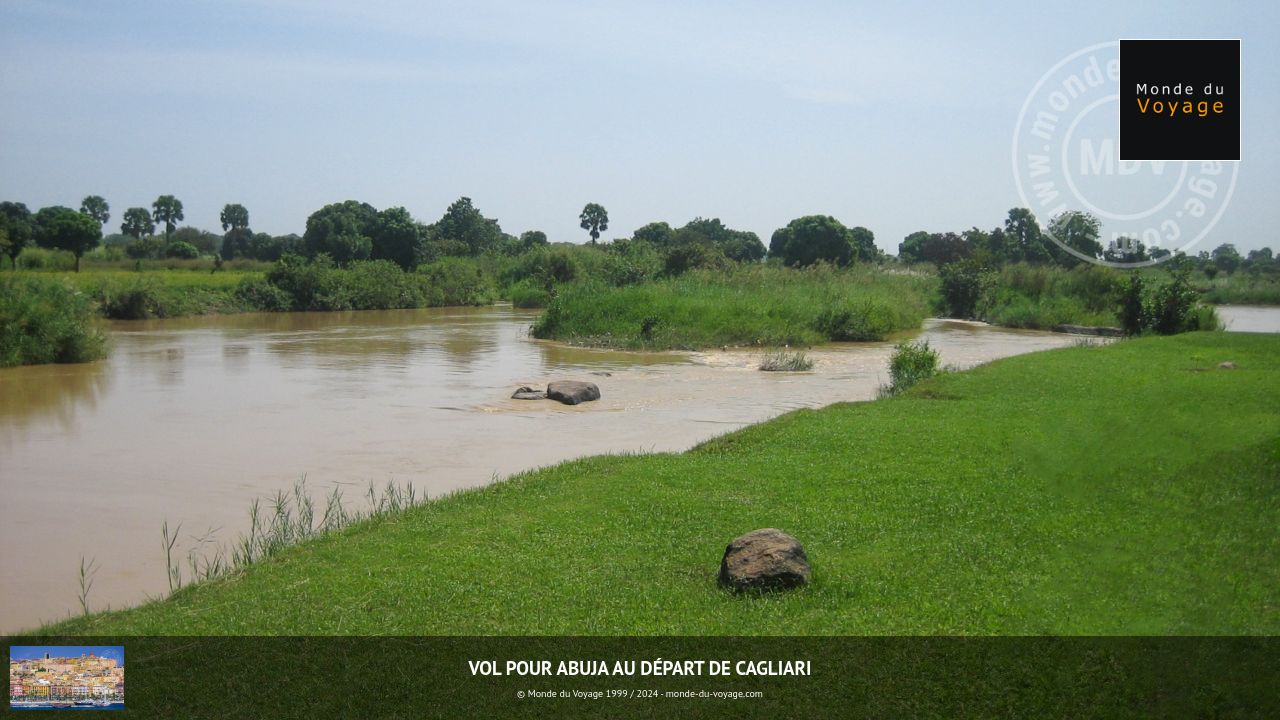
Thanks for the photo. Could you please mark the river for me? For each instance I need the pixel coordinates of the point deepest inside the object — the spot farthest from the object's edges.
(190, 419)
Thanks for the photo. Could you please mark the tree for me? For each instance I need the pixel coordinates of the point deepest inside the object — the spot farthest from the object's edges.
(341, 231)
(167, 209)
(65, 229)
(97, 208)
(657, 234)
(864, 244)
(235, 223)
(16, 231)
(137, 223)
(1023, 239)
(809, 239)
(738, 245)
(530, 239)
(464, 223)
(1227, 258)
(1078, 231)
(594, 219)
(396, 237)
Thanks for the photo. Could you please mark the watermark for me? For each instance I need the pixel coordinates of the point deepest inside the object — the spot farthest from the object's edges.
(1066, 159)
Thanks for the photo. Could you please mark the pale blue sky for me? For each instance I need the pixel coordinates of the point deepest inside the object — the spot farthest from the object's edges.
(895, 116)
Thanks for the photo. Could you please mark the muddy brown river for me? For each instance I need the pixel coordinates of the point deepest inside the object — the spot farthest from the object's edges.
(190, 419)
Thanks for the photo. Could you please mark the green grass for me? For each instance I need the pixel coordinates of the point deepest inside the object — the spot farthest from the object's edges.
(1125, 489)
(45, 320)
(1242, 289)
(750, 305)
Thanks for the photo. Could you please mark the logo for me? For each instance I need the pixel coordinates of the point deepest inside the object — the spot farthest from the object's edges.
(1066, 158)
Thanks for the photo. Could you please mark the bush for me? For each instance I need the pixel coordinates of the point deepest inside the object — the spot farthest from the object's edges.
(963, 284)
(46, 321)
(38, 258)
(179, 249)
(456, 281)
(529, 294)
(911, 363)
(867, 320)
(135, 298)
(1174, 306)
(256, 293)
(381, 284)
(1133, 315)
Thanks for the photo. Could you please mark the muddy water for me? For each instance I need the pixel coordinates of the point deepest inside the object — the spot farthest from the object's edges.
(1250, 318)
(188, 420)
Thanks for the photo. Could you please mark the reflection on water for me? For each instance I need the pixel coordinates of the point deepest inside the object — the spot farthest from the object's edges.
(191, 418)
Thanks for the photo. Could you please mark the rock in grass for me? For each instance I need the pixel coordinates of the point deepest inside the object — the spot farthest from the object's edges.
(528, 393)
(766, 559)
(572, 392)
(1228, 365)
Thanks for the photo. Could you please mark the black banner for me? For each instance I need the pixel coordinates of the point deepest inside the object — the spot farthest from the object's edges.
(442, 677)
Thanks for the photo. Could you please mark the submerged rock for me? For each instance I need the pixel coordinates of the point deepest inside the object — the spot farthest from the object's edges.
(766, 559)
(572, 392)
(528, 393)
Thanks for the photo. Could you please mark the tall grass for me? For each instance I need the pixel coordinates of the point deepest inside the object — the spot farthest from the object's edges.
(44, 320)
(1043, 296)
(283, 520)
(749, 305)
(786, 361)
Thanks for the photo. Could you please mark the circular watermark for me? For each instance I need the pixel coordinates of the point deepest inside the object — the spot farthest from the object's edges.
(1066, 158)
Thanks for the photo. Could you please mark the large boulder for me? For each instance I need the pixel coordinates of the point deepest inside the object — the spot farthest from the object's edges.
(766, 559)
(572, 392)
(528, 393)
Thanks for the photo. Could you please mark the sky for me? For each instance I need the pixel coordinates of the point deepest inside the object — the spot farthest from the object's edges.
(895, 116)
(28, 652)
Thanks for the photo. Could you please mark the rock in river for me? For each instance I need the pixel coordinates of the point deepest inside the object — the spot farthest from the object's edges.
(528, 393)
(572, 392)
(766, 559)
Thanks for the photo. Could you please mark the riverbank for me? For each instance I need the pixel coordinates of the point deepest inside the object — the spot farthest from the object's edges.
(1134, 498)
(747, 306)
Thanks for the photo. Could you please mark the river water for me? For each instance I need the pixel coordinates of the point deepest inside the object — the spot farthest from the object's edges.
(188, 420)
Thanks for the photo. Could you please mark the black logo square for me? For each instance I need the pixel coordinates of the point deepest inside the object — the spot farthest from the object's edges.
(1179, 100)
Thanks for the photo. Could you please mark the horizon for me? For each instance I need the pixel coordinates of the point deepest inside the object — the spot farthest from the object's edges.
(896, 119)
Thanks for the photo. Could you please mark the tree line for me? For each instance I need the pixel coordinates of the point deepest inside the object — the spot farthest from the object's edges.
(352, 230)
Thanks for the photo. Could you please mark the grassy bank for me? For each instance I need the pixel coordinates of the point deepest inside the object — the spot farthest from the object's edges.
(1241, 289)
(43, 321)
(1127, 489)
(756, 305)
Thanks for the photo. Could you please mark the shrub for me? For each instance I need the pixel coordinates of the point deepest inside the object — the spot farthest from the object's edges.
(46, 321)
(255, 293)
(381, 284)
(456, 281)
(1172, 308)
(867, 320)
(529, 294)
(38, 258)
(135, 298)
(963, 284)
(1133, 316)
(911, 363)
(179, 249)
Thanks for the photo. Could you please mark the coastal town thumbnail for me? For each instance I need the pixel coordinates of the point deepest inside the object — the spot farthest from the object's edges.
(66, 677)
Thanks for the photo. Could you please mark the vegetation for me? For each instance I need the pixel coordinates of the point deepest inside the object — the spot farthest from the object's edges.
(44, 320)
(1136, 498)
(759, 306)
(66, 229)
(595, 220)
(786, 361)
(911, 362)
